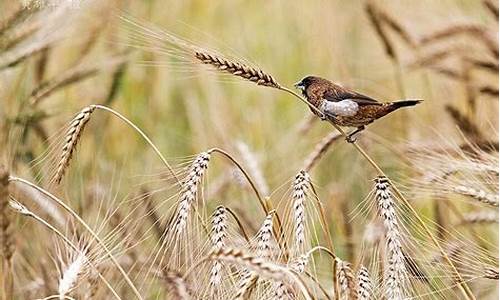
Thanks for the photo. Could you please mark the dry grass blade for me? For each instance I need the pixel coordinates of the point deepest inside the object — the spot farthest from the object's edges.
(471, 30)
(464, 123)
(11, 39)
(19, 15)
(373, 15)
(397, 28)
(489, 90)
(71, 140)
(492, 8)
(238, 69)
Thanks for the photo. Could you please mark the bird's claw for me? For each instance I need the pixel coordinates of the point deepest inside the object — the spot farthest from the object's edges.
(350, 139)
(322, 117)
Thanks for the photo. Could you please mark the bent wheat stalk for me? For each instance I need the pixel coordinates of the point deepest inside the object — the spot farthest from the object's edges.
(74, 133)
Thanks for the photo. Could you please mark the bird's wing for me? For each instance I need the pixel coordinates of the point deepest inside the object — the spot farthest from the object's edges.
(339, 93)
(344, 108)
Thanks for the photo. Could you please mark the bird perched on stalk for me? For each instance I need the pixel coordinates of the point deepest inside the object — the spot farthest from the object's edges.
(345, 107)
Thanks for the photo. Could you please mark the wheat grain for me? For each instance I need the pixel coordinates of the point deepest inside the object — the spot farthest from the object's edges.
(71, 140)
(364, 289)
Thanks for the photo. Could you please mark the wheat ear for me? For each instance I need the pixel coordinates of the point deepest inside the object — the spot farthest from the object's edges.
(71, 140)
(177, 285)
(396, 270)
(477, 194)
(238, 69)
(346, 280)
(70, 277)
(218, 236)
(190, 190)
(299, 187)
(365, 288)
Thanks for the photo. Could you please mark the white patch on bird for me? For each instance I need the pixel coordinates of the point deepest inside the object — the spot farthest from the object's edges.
(344, 108)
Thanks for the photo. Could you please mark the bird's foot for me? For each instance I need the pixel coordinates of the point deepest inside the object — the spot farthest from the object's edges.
(351, 138)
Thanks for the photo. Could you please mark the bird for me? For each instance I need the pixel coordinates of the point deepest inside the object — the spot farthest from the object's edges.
(345, 107)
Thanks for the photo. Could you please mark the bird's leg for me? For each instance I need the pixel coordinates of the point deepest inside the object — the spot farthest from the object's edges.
(350, 138)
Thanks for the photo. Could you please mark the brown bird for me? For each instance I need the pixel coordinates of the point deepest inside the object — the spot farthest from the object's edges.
(345, 107)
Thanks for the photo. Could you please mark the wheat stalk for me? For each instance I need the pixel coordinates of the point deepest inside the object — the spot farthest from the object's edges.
(6, 238)
(253, 167)
(364, 289)
(71, 140)
(396, 269)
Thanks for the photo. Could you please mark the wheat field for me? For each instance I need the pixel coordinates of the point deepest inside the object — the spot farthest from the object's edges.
(159, 150)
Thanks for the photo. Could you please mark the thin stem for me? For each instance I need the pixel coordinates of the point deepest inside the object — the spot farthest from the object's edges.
(463, 286)
(235, 217)
(326, 231)
(82, 222)
(75, 248)
(142, 134)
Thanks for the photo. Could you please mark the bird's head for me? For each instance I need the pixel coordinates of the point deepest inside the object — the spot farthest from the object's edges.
(305, 82)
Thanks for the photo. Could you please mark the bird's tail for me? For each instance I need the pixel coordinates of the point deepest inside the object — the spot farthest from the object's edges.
(403, 103)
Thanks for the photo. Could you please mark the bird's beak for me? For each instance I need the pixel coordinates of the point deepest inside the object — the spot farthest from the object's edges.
(299, 85)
